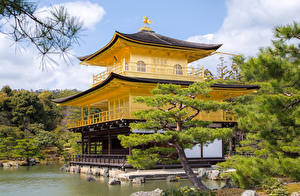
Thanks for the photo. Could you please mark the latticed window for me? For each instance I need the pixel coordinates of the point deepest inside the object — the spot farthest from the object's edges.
(178, 69)
(141, 66)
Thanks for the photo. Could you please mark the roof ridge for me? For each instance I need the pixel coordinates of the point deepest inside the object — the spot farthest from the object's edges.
(156, 35)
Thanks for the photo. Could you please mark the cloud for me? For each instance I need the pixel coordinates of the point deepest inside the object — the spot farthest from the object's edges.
(88, 13)
(20, 67)
(248, 26)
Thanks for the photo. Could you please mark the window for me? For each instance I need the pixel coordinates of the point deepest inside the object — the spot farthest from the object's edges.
(178, 69)
(141, 66)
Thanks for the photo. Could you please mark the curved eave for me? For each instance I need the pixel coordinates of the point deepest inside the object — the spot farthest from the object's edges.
(145, 80)
(118, 35)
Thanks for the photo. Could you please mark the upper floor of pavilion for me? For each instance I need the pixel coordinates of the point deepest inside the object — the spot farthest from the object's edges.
(147, 54)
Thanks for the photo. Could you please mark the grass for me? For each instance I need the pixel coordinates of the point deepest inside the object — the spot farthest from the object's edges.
(293, 187)
(230, 192)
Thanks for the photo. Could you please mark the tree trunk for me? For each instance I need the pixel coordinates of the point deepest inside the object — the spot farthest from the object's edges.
(188, 170)
(230, 146)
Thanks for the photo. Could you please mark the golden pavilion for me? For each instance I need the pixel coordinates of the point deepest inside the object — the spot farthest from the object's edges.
(134, 64)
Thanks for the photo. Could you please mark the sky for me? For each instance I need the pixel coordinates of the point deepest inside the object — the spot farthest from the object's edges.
(242, 26)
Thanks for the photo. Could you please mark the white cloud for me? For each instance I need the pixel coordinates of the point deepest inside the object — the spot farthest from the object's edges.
(249, 26)
(88, 13)
(20, 67)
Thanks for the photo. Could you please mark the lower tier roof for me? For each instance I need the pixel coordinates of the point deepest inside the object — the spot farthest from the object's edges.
(145, 80)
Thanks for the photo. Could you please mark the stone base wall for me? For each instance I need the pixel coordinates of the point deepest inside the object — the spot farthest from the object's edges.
(95, 171)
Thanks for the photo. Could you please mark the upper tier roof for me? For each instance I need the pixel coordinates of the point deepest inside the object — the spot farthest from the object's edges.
(153, 39)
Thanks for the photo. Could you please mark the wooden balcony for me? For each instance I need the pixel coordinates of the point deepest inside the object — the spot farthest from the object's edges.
(152, 71)
(120, 161)
(99, 160)
(124, 113)
(105, 116)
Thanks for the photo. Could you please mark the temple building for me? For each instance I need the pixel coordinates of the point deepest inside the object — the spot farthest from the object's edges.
(134, 65)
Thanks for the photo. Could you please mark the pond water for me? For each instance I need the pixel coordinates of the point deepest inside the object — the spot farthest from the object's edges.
(48, 180)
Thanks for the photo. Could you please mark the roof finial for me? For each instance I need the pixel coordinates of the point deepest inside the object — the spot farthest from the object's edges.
(147, 21)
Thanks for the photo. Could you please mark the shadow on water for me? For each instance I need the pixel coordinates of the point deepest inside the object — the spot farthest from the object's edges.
(48, 180)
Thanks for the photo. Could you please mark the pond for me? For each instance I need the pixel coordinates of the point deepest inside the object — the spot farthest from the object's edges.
(48, 180)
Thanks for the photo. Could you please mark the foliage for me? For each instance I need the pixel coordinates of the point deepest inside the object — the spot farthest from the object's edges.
(71, 142)
(222, 70)
(253, 171)
(54, 32)
(25, 148)
(275, 188)
(188, 191)
(29, 121)
(23, 108)
(172, 116)
(270, 118)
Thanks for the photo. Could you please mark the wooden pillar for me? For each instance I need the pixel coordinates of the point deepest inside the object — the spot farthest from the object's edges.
(89, 145)
(82, 113)
(89, 113)
(95, 150)
(109, 143)
(82, 144)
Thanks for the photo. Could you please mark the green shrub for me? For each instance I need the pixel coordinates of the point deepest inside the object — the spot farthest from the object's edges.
(187, 191)
(253, 171)
(274, 187)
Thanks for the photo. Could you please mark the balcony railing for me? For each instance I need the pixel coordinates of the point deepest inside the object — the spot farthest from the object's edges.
(123, 113)
(152, 71)
(104, 159)
(105, 116)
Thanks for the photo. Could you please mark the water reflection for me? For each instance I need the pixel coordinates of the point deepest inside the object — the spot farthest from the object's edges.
(48, 180)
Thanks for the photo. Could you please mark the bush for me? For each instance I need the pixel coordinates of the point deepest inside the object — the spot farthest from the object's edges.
(187, 191)
(274, 187)
(253, 171)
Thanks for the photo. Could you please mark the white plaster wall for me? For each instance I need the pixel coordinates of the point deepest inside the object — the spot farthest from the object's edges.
(195, 152)
(213, 149)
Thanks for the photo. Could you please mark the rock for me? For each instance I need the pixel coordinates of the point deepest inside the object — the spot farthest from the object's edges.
(63, 168)
(114, 181)
(229, 183)
(77, 170)
(96, 172)
(67, 169)
(213, 174)
(202, 172)
(6, 165)
(32, 162)
(90, 179)
(295, 193)
(89, 171)
(17, 165)
(106, 172)
(156, 192)
(138, 180)
(215, 167)
(172, 179)
(249, 193)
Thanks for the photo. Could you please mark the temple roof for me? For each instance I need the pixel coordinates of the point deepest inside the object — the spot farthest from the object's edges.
(146, 80)
(153, 39)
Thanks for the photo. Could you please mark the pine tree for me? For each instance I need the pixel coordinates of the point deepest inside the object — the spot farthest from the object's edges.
(222, 70)
(172, 115)
(54, 34)
(208, 75)
(270, 118)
